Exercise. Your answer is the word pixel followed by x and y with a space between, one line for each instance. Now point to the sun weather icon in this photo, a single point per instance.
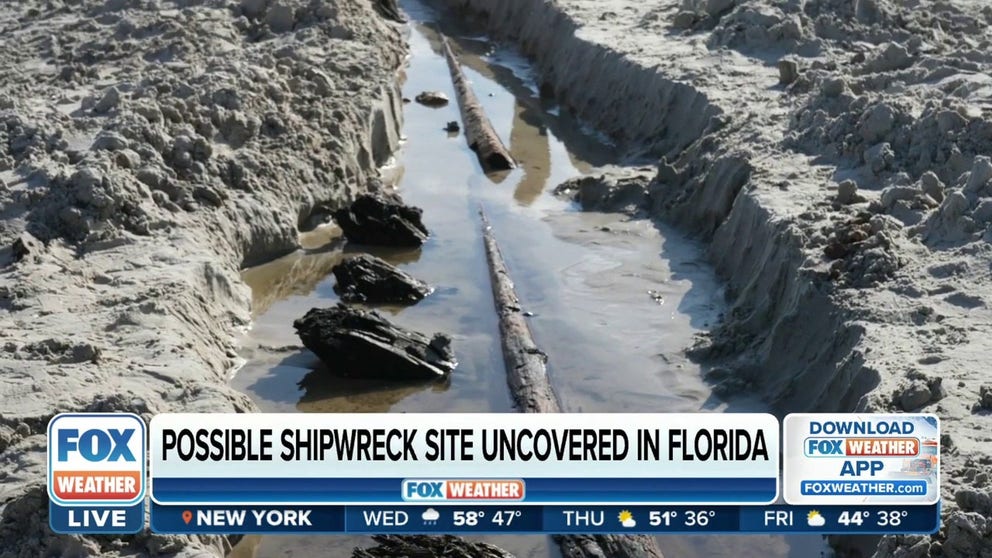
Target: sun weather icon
pixel 627 519
pixel 814 519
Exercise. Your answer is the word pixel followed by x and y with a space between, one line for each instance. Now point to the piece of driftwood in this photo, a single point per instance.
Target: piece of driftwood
pixel 382 220
pixel 526 370
pixel 479 131
pixel 366 278
pixel 527 375
pixel 356 342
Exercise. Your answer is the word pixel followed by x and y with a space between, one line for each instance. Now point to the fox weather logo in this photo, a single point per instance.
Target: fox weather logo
pixel 96 459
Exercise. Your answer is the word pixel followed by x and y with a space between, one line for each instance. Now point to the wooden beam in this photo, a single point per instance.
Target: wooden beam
pixel 526 364
pixel 478 131
pixel 527 376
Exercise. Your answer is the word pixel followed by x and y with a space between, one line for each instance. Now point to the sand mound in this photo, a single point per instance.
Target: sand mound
pixel 147 150
pixel 834 152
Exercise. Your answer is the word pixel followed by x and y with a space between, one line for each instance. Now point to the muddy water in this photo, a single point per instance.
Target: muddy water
pixel 614 301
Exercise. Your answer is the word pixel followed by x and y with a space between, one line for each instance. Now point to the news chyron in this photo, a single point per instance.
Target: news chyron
pixel 495 473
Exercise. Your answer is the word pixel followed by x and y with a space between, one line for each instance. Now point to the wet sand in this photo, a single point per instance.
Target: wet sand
pixel 615 300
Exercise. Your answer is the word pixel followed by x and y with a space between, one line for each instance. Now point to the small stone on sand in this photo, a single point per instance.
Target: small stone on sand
pixel 432 99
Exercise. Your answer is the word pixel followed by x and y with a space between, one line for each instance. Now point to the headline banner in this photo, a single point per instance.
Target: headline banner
pixel 424 457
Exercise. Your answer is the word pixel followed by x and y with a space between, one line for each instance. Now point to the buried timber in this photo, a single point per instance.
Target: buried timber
pixel 612 300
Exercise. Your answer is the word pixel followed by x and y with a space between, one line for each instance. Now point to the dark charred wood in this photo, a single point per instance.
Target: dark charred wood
pixel 355 342
pixel 389 9
pixel 383 220
pixel 368 279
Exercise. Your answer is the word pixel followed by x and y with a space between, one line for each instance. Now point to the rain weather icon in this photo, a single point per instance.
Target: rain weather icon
pixel 430 516
pixel 814 519
pixel 627 519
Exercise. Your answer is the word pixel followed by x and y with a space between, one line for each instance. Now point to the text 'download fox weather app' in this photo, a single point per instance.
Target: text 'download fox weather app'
pixel 96 473
pixel 861 459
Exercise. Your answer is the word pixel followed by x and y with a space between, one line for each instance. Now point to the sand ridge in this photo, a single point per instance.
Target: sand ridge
pixel 148 150
pixel 847 203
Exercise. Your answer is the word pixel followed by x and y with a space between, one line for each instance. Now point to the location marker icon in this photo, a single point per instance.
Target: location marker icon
pixel 187 516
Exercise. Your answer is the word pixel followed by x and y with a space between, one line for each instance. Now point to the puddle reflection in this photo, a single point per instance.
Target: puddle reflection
pixel 324 392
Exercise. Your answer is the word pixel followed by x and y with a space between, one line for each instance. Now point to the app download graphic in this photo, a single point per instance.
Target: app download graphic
pixel 861 459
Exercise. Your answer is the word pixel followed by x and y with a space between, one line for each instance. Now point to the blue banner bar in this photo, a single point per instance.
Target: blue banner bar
pixel 247 519
pixel 640 519
pixel 110 520
pixel 532 519
pixel 877 520
pixel 538 490
pixel 444 519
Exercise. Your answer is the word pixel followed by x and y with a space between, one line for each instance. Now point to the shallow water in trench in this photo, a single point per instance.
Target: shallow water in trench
pixel 615 300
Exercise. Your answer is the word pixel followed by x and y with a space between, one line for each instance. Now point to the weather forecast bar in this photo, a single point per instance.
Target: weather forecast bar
pixel 508 519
